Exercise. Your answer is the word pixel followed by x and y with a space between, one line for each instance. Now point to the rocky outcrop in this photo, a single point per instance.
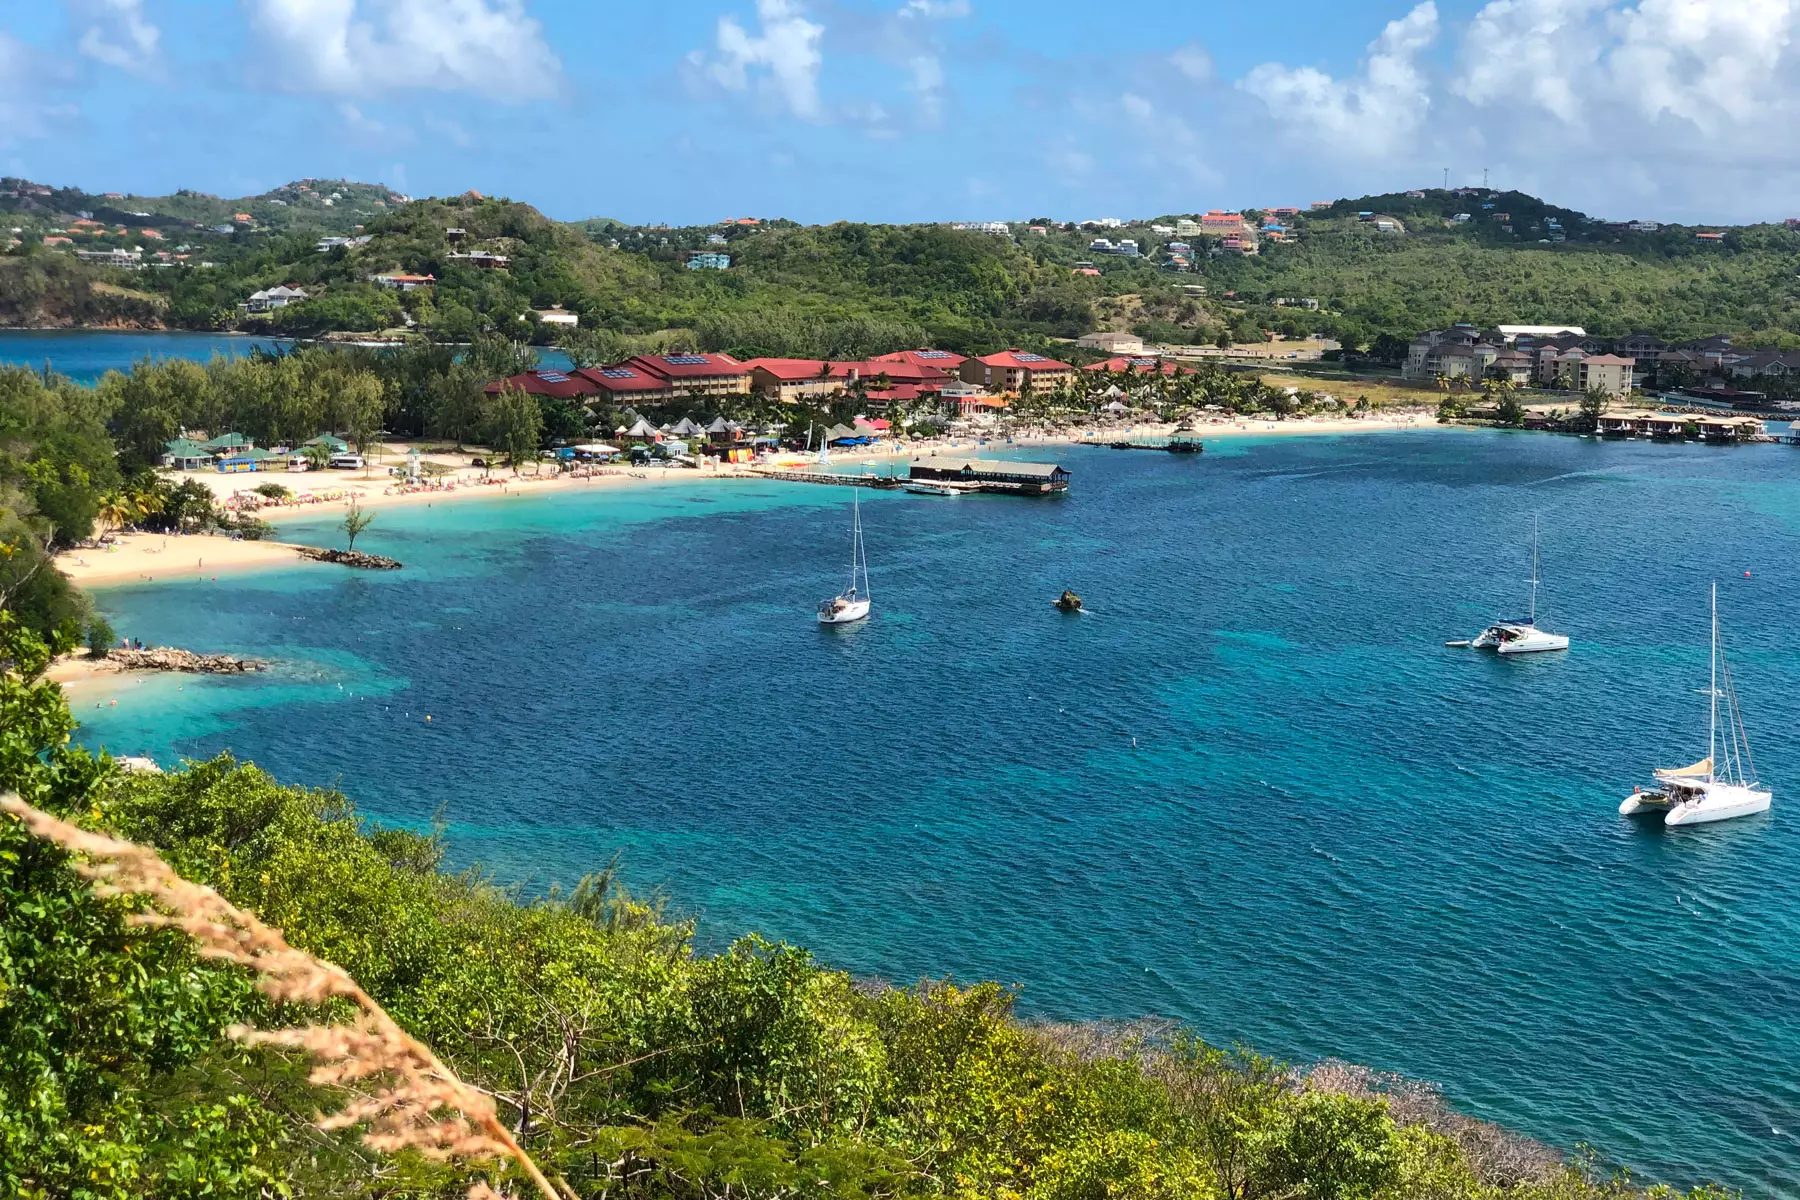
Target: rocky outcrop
pixel 350 558
pixel 167 658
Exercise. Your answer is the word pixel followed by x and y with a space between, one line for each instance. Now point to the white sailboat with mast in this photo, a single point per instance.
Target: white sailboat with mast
pixel 1722 785
pixel 1522 637
pixel 852 604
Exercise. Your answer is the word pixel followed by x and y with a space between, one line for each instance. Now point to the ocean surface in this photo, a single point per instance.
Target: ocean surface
pixel 84 355
pixel 1250 789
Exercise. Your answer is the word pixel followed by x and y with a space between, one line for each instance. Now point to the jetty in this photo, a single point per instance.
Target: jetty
pixel 1169 445
pixel 834 478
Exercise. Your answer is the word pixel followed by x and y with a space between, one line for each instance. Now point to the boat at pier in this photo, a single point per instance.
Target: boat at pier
pixel 927 487
pixel 1721 786
pixel 852 604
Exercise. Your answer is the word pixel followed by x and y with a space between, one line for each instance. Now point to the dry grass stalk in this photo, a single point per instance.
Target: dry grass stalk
pixel 412 1100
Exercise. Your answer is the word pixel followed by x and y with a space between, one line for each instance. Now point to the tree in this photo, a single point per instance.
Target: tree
pixel 317 455
pixel 1509 411
pixel 1594 403
pixel 515 427
pixel 355 521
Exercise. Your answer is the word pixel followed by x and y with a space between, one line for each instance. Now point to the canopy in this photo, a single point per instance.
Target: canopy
pixel 685 427
pixel 643 429
pixel 595 448
pixel 1698 770
pixel 721 425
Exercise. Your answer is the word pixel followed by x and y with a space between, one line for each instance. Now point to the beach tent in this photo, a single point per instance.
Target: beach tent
pixel 687 428
pixel 643 430
pixel 595 448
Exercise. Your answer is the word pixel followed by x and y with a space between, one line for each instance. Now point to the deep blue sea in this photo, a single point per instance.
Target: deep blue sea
pixel 84 355
pixel 1250 789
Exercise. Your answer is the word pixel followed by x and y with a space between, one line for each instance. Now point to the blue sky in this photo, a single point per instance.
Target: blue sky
pixel 896 110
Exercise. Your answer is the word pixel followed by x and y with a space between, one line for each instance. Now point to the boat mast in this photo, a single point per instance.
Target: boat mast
pixel 1712 693
pixel 1534 569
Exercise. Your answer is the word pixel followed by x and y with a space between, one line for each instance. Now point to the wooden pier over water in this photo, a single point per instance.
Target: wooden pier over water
pixel 861 479
pixel 1171 445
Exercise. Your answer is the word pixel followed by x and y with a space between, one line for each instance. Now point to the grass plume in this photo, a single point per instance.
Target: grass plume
pixel 407 1097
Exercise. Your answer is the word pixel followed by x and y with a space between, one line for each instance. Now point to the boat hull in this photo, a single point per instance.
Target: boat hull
pixel 1534 644
pixel 844 613
pixel 1719 804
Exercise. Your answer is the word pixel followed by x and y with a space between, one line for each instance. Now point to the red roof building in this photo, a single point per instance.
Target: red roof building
pixel 544 383
pixel 696 374
pixel 623 383
pixel 943 360
pixel 1138 366
pixel 1012 370
pixel 792 379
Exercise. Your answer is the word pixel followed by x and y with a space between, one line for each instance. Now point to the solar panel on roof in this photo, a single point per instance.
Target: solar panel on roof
pixel 686 360
pixel 1031 358
pixel 933 354
pixel 553 377
pixel 619 373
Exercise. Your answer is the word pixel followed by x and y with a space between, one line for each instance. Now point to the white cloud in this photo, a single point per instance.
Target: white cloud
pixel 117 33
pixel 935 10
pixel 787 47
pixel 364 47
pixel 1372 112
pixel 28 80
pixel 1194 63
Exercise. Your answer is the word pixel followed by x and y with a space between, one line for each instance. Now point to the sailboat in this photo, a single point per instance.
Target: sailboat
pixel 852 604
pixel 1521 637
pixel 1722 785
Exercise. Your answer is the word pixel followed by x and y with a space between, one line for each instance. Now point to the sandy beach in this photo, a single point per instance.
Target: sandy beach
pixel 150 557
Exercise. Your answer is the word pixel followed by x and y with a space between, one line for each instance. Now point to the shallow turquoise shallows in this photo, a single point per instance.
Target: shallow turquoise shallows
pixel 1250 789
pixel 84 355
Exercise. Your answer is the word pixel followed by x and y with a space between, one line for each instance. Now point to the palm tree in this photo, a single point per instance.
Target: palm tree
pixel 117 510
pixel 317 454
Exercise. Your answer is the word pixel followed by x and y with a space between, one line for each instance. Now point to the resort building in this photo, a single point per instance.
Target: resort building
pixel 1111 343
pixel 1137 365
pixel 558 316
pixel 1013 370
pixel 943 360
pixel 269 299
pixel 546 382
pixel 398 282
pixel 696 374
pixel 625 384
pixel 885 382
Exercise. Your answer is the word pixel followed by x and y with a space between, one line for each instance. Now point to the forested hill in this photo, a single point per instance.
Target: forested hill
pixel 1376 265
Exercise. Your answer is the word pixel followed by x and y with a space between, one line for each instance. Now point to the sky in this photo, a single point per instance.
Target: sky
pixel 691 111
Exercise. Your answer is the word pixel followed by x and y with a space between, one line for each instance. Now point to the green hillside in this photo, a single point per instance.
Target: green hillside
pixel 848 289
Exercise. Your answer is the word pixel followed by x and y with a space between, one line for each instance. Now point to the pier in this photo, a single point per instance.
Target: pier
pixel 1170 445
pixel 832 477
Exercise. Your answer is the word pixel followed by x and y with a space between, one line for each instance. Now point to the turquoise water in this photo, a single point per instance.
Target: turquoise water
pixel 1251 789
pixel 85 355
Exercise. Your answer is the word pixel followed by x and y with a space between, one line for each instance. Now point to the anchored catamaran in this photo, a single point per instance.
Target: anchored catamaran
pixel 1722 785
pixel 1522 637
pixel 852 604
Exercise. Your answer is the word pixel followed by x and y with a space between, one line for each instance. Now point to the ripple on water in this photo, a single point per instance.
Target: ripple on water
pixel 1252 790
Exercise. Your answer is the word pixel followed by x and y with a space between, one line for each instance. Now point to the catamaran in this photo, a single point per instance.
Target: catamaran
pixel 852 604
pixel 1722 785
pixel 1516 636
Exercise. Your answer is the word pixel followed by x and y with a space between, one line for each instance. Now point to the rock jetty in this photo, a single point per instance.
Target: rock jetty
pixel 350 558
pixel 167 658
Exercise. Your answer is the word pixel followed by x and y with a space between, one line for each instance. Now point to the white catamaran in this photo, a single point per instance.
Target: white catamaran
pixel 853 603
pixel 1521 637
pixel 1722 785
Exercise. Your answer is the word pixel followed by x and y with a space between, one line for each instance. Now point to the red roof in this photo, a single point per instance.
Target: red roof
pixel 943 360
pixel 544 383
pixel 687 366
pixel 1087 270
pixel 1140 365
pixel 1016 360
pixel 622 378
pixel 921 373
pixel 799 370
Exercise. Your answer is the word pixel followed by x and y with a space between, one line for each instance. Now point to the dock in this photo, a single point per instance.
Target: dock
pixel 833 478
pixel 1170 445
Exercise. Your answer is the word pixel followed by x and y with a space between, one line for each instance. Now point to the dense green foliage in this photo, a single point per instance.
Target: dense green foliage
pixel 850 290
pixel 628 1064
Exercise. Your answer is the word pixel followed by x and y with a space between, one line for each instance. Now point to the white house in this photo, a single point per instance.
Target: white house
pixel 558 316
pixel 269 299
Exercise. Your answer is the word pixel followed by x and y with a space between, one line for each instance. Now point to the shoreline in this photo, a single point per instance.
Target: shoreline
pixel 152 557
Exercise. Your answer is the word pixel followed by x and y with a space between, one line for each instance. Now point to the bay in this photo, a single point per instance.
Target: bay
pixel 84 355
pixel 1251 789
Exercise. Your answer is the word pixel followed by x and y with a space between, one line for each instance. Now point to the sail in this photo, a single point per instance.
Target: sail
pixel 1699 770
